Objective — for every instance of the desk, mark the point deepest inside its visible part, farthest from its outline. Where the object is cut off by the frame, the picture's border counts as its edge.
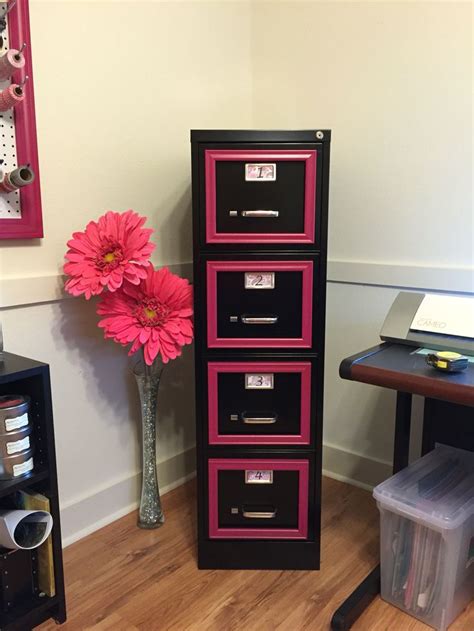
(447, 418)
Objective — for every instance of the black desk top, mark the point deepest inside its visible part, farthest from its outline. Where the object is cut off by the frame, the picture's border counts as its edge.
(397, 366)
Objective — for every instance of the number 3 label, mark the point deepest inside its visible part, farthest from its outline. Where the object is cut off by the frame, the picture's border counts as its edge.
(259, 382)
(260, 280)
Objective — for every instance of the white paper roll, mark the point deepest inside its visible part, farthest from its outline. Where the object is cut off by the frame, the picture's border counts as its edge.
(24, 529)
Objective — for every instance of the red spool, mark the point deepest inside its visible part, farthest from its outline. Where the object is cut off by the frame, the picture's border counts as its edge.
(11, 96)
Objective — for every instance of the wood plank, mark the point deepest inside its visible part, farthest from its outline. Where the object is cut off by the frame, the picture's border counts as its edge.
(127, 579)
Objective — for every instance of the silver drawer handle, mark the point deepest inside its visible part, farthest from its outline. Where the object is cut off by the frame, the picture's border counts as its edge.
(259, 319)
(255, 420)
(259, 213)
(254, 514)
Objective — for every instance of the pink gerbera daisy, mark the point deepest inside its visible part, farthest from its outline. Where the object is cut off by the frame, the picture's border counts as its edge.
(109, 251)
(155, 315)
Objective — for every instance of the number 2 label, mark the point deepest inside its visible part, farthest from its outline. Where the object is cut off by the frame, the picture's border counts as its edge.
(260, 280)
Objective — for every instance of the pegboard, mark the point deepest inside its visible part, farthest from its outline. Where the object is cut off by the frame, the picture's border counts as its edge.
(20, 210)
(9, 202)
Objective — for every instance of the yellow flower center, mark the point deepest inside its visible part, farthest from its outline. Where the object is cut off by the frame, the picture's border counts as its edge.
(149, 313)
(109, 257)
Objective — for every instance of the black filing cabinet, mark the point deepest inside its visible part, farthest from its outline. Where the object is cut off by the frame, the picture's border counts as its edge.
(260, 207)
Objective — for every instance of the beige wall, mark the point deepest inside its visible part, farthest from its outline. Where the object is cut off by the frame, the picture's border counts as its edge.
(129, 80)
(393, 81)
(118, 88)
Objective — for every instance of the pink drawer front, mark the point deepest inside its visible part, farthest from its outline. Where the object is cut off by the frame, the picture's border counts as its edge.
(258, 498)
(260, 196)
(259, 403)
(258, 304)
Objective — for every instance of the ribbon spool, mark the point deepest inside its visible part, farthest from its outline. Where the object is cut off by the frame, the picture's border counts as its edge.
(10, 62)
(17, 179)
(13, 95)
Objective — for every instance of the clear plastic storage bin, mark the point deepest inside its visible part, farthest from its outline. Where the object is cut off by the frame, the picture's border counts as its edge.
(427, 536)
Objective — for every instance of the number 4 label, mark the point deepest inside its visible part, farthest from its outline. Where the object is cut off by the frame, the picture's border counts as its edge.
(259, 477)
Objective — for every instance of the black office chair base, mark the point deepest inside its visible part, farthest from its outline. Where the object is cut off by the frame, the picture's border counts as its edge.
(354, 605)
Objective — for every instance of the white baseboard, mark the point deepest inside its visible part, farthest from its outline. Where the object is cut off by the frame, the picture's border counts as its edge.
(353, 468)
(85, 514)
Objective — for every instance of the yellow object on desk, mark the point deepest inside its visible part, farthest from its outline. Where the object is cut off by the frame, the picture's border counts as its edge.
(447, 361)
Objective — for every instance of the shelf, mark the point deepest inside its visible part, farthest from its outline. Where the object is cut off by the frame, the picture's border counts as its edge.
(28, 614)
(29, 377)
(10, 486)
(14, 367)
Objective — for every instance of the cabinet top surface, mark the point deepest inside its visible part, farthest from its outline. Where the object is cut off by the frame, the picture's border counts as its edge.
(11, 365)
(255, 135)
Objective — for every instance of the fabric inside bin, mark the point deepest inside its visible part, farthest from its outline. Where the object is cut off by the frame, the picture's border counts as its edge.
(427, 536)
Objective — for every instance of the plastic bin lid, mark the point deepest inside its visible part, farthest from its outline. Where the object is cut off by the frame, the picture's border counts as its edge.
(438, 488)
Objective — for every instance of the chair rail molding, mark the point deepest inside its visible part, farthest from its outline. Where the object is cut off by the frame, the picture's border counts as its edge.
(16, 291)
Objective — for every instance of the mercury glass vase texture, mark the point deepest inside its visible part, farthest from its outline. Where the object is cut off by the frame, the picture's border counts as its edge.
(148, 379)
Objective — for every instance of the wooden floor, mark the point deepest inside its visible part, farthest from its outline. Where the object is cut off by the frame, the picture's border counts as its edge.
(122, 578)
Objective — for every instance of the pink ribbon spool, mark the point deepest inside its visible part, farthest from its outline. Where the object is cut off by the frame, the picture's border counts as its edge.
(10, 62)
(6, 186)
(10, 97)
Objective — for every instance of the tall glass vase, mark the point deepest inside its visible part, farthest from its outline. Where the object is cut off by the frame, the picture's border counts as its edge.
(148, 380)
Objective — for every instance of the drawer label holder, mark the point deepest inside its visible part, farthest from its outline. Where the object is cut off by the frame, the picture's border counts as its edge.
(258, 476)
(259, 280)
(262, 381)
(260, 172)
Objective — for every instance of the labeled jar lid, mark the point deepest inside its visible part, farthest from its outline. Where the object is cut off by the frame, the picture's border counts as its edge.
(12, 401)
(13, 412)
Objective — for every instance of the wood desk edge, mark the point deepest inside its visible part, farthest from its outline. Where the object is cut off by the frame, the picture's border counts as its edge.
(414, 384)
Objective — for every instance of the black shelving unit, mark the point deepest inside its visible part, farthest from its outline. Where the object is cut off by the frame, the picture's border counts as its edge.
(20, 375)
(255, 446)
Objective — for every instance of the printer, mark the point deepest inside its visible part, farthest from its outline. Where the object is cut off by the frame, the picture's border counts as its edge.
(434, 321)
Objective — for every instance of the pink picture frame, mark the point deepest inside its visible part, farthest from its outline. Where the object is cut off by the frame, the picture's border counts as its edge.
(30, 224)
(213, 371)
(306, 267)
(219, 464)
(256, 155)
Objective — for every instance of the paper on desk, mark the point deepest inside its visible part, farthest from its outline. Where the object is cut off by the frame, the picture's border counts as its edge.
(448, 315)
